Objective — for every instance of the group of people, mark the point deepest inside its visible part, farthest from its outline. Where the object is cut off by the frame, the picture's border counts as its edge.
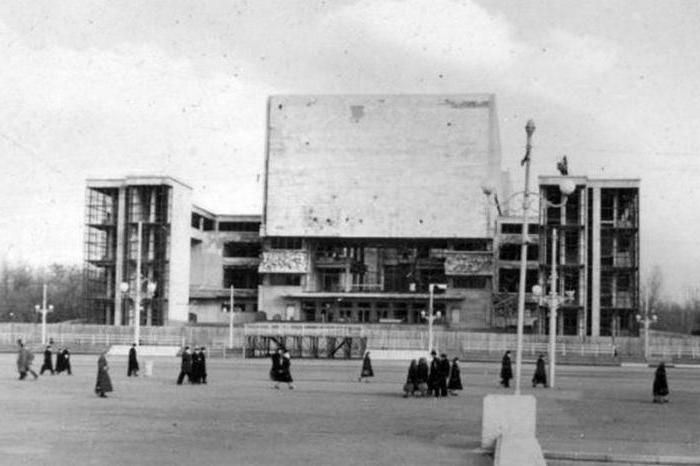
(193, 365)
(440, 379)
(25, 358)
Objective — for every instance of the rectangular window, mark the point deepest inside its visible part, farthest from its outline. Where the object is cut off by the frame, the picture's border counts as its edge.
(472, 282)
(236, 249)
(509, 280)
(285, 279)
(245, 278)
(285, 243)
(474, 244)
(331, 280)
(239, 226)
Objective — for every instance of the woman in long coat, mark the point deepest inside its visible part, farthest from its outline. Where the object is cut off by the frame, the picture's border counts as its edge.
(366, 368)
(660, 384)
(411, 385)
(506, 370)
(133, 364)
(455, 382)
(104, 383)
(540, 376)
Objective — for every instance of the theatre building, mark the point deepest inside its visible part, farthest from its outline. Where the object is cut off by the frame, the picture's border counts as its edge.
(371, 199)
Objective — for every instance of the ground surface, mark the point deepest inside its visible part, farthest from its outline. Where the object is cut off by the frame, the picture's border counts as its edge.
(328, 419)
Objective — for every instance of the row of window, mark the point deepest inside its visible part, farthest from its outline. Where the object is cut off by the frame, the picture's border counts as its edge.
(203, 223)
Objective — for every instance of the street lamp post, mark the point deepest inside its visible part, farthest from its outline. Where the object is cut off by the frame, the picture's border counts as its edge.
(44, 309)
(230, 321)
(553, 301)
(431, 315)
(529, 130)
(646, 320)
(150, 290)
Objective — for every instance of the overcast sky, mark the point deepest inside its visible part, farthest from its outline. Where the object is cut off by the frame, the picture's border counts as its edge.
(106, 89)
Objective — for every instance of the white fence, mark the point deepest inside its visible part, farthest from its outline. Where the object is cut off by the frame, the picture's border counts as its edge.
(379, 337)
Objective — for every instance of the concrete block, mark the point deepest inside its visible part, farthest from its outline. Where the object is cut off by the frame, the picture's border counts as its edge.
(512, 450)
(511, 415)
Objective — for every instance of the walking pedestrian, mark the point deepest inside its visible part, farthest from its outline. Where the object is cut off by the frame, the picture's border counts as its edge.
(433, 375)
(60, 366)
(133, 365)
(286, 374)
(185, 366)
(506, 370)
(411, 385)
(48, 364)
(276, 369)
(540, 376)
(66, 361)
(422, 376)
(455, 382)
(443, 372)
(24, 361)
(366, 368)
(103, 385)
(196, 366)
(203, 364)
(660, 388)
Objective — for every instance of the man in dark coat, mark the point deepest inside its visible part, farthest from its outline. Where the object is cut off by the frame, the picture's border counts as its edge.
(276, 369)
(540, 376)
(60, 367)
(185, 366)
(506, 370)
(433, 375)
(660, 388)
(203, 364)
(443, 368)
(196, 375)
(48, 364)
(133, 365)
(104, 383)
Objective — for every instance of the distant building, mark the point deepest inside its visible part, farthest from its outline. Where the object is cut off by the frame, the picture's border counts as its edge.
(598, 258)
(370, 199)
(190, 258)
(224, 257)
(115, 210)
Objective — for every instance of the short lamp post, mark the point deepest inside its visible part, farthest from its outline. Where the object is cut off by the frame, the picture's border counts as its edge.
(647, 319)
(44, 309)
(431, 316)
(150, 290)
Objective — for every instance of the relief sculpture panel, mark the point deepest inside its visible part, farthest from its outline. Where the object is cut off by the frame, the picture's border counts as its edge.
(284, 261)
(464, 263)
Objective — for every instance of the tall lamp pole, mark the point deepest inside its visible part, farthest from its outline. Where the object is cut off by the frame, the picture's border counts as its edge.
(137, 291)
(554, 300)
(431, 315)
(230, 321)
(529, 130)
(646, 320)
(43, 309)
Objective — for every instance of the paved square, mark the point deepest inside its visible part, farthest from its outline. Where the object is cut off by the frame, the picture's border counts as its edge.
(329, 418)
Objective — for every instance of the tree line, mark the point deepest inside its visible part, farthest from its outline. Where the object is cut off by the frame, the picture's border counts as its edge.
(21, 288)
